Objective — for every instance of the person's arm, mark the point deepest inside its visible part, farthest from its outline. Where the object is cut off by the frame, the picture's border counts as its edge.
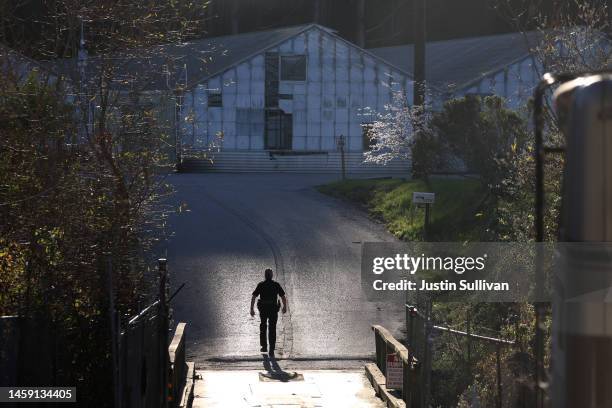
(284, 299)
(252, 305)
(255, 294)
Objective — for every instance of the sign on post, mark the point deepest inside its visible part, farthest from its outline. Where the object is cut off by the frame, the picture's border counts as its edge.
(423, 198)
(395, 372)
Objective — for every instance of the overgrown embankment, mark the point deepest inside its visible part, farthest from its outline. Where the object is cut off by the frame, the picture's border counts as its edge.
(458, 214)
(464, 210)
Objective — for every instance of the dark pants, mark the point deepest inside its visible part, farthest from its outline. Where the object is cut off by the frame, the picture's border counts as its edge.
(269, 315)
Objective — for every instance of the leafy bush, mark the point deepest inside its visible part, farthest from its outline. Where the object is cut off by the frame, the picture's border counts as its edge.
(481, 132)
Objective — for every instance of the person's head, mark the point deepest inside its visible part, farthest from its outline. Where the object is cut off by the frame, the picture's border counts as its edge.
(268, 274)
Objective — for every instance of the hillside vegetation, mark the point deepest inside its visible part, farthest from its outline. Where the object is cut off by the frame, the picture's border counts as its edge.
(458, 214)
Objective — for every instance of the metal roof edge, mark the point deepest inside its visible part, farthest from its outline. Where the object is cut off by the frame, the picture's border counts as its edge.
(492, 71)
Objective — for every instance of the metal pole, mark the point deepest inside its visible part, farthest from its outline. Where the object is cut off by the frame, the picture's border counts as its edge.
(474, 336)
(469, 340)
(163, 328)
(499, 379)
(540, 155)
(428, 355)
(539, 230)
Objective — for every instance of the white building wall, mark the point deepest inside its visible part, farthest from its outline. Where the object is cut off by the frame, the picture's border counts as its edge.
(341, 81)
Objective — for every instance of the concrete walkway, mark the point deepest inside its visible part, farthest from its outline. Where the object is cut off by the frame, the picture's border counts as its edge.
(287, 389)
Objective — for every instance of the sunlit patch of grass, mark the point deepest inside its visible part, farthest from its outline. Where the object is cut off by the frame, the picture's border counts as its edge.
(456, 215)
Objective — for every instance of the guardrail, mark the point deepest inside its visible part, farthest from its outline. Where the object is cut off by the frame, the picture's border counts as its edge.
(181, 372)
(386, 344)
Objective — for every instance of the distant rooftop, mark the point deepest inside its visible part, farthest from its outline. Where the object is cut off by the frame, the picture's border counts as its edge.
(455, 64)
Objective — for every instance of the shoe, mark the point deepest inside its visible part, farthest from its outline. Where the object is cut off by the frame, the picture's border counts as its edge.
(264, 349)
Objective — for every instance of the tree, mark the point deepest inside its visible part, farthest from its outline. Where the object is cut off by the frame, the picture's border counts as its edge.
(479, 134)
(482, 133)
(391, 133)
(80, 182)
(575, 40)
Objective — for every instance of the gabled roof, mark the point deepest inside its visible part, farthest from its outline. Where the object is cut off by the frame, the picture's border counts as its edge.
(455, 64)
(145, 69)
(210, 56)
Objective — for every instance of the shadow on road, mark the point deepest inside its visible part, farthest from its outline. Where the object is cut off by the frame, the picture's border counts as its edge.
(274, 372)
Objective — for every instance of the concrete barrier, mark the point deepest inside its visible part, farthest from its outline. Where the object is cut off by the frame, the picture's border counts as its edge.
(182, 373)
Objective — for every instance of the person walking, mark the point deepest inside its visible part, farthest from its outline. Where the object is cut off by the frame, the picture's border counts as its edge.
(268, 306)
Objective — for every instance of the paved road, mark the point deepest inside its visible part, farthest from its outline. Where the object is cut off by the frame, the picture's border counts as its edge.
(237, 225)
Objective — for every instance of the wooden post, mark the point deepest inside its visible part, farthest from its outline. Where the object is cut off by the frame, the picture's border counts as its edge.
(419, 52)
(427, 220)
(341, 144)
(163, 329)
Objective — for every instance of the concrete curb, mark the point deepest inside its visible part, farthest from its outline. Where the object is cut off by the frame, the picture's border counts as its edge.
(187, 397)
(378, 381)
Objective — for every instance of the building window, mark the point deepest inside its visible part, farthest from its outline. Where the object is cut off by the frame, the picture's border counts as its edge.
(215, 100)
(367, 136)
(293, 68)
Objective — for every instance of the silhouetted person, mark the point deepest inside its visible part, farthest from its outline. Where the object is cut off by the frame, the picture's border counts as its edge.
(268, 306)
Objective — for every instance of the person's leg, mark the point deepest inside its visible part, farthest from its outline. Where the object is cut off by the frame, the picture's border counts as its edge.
(273, 317)
(262, 329)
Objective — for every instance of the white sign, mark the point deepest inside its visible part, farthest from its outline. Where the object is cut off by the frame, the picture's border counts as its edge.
(423, 198)
(395, 372)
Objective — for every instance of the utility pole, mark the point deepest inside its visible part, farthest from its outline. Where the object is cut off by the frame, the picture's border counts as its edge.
(318, 12)
(420, 30)
(235, 16)
(361, 29)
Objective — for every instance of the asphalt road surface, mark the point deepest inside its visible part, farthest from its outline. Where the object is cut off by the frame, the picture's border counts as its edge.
(232, 227)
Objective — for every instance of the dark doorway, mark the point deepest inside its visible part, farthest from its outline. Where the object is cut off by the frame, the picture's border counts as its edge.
(279, 130)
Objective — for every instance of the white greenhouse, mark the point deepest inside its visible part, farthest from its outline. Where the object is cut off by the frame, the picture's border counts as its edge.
(299, 99)
(286, 100)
